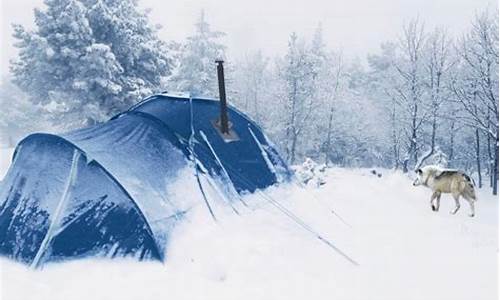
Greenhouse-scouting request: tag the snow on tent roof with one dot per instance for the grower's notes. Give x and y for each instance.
(110, 189)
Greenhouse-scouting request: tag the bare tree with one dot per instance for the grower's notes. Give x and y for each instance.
(335, 75)
(299, 80)
(409, 93)
(439, 61)
(476, 86)
(252, 81)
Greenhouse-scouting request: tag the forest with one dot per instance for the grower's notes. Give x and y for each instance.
(426, 97)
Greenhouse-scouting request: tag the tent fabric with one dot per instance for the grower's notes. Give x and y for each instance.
(111, 190)
(243, 160)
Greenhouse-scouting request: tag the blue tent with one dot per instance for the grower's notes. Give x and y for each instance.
(114, 189)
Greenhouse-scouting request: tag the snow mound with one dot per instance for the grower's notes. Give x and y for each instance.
(405, 250)
(5, 159)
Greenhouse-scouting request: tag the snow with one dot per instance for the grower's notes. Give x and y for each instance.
(5, 159)
(405, 250)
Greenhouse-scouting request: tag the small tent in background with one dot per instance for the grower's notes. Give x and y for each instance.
(113, 189)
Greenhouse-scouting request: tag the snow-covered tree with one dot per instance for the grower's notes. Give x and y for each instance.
(18, 116)
(196, 72)
(382, 86)
(476, 84)
(327, 73)
(359, 135)
(410, 90)
(254, 83)
(298, 75)
(89, 59)
(438, 64)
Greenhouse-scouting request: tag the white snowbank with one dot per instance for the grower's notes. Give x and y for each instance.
(405, 251)
(5, 159)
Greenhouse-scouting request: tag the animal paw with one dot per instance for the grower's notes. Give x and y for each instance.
(453, 211)
(471, 215)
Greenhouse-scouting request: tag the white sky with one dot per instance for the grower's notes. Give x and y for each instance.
(355, 26)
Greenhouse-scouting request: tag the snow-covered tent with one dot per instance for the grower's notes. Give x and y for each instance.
(112, 189)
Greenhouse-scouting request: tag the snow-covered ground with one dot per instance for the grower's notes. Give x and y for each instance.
(405, 250)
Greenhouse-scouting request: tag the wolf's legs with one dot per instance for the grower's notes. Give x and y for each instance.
(457, 204)
(438, 201)
(471, 204)
(435, 207)
(472, 211)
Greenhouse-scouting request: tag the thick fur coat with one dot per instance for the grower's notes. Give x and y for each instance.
(454, 182)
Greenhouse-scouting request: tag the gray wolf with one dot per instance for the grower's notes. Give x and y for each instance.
(448, 181)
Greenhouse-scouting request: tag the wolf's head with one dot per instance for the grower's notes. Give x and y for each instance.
(419, 180)
(426, 174)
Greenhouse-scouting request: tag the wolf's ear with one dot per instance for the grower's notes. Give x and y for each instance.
(419, 171)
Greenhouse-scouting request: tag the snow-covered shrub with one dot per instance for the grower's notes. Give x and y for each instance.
(310, 173)
(439, 158)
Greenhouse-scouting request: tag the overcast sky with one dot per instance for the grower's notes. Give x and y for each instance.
(355, 26)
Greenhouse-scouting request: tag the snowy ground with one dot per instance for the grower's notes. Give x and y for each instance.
(405, 251)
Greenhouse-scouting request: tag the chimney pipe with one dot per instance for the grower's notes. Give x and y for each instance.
(223, 120)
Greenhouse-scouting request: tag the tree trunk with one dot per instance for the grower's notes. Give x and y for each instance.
(433, 143)
(294, 145)
(287, 149)
(396, 155)
(291, 126)
(452, 142)
(478, 159)
(413, 142)
(329, 136)
(406, 161)
(256, 105)
(495, 170)
(412, 151)
(490, 160)
(395, 149)
(405, 165)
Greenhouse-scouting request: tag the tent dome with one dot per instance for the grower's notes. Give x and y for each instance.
(114, 189)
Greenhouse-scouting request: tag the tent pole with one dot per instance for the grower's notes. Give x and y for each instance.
(56, 218)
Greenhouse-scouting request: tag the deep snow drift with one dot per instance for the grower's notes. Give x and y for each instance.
(405, 250)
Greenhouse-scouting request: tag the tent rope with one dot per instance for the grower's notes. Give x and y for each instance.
(302, 224)
(301, 185)
(291, 215)
(195, 160)
(223, 169)
(271, 167)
